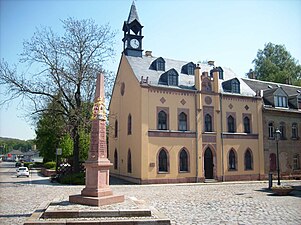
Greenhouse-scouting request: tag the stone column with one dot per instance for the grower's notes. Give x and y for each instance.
(97, 191)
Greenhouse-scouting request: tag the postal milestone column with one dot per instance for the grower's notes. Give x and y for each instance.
(97, 191)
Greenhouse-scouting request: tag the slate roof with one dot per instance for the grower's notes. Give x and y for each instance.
(141, 67)
(258, 85)
(133, 14)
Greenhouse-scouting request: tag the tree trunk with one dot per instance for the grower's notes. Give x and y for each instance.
(76, 166)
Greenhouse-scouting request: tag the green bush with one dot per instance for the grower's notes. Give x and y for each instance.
(38, 164)
(28, 164)
(75, 179)
(50, 165)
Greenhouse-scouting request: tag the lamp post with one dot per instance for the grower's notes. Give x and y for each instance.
(277, 136)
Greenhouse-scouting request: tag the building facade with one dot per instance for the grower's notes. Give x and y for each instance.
(282, 111)
(176, 121)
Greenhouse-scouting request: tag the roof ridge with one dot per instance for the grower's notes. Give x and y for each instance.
(270, 82)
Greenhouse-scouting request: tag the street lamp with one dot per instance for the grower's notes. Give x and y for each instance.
(277, 137)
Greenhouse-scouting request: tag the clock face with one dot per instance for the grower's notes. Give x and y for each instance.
(134, 43)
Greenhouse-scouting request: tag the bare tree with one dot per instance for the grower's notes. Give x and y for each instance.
(66, 66)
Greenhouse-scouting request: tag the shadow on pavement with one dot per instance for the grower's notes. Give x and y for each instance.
(295, 193)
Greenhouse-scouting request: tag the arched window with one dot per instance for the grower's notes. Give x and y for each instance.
(162, 120)
(248, 160)
(116, 128)
(273, 162)
(294, 131)
(271, 130)
(247, 127)
(231, 124)
(183, 161)
(282, 129)
(129, 161)
(232, 160)
(163, 161)
(208, 123)
(182, 121)
(115, 159)
(129, 124)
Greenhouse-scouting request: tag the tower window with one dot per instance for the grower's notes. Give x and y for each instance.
(208, 123)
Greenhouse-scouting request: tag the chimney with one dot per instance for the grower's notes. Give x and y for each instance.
(210, 63)
(148, 53)
(215, 73)
(197, 78)
(251, 74)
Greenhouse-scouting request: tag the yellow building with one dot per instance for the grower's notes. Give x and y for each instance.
(176, 121)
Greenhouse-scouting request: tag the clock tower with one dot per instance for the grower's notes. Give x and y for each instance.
(132, 28)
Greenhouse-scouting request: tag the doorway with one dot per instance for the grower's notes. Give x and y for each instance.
(208, 164)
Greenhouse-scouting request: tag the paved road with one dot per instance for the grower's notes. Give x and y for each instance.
(219, 203)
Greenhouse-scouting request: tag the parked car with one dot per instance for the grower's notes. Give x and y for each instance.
(22, 171)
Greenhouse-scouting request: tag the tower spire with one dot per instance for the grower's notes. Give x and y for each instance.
(133, 14)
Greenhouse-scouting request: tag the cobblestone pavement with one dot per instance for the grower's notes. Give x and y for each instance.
(217, 203)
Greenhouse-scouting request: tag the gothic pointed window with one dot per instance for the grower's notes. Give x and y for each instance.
(183, 161)
(115, 159)
(247, 127)
(248, 160)
(129, 163)
(182, 122)
(162, 120)
(116, 128)
(232, 160)
(129, 124)
(231, 124)
(208, 123)
(163, 161)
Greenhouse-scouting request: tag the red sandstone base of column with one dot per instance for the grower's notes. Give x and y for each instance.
(96, 201)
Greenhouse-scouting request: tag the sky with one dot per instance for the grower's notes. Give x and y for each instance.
(229, 32)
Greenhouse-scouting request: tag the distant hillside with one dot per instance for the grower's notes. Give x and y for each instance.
(8, 144)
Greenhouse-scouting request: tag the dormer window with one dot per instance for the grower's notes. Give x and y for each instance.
(280, 101)
(235, 86)
(220, 72)
(188, 68)
(232, 86)
(158, 64)
(169, 78)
